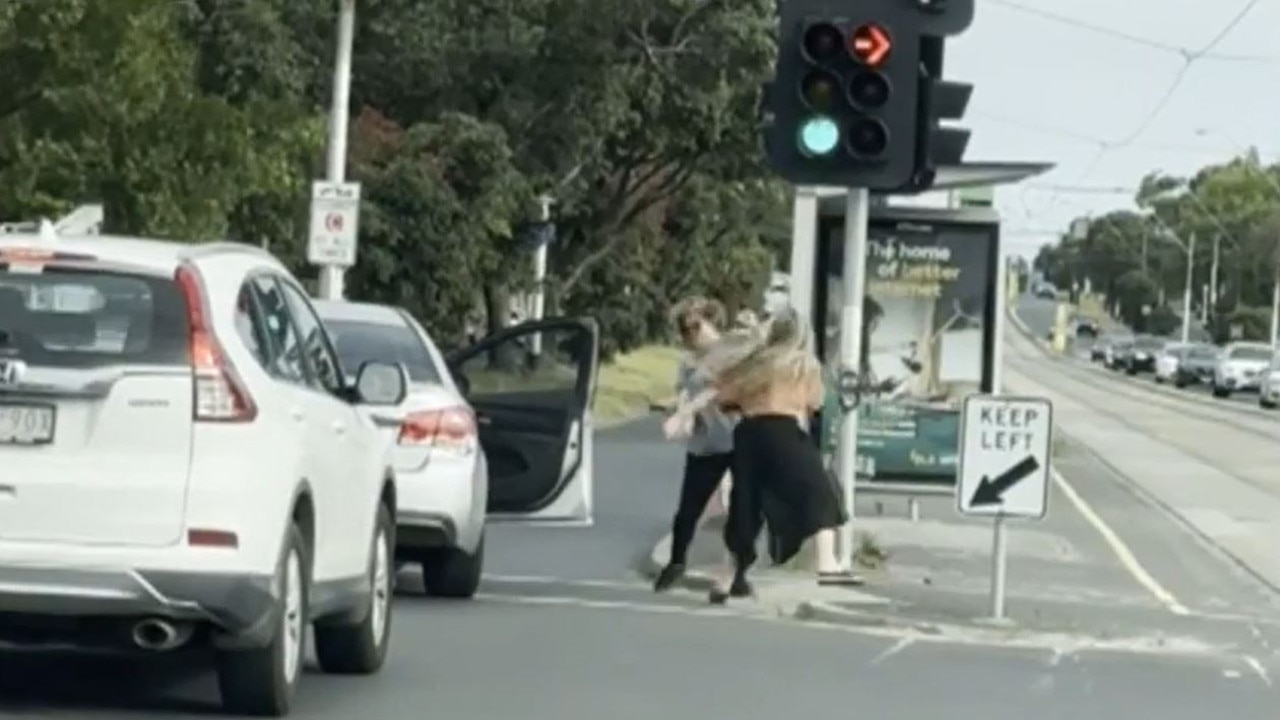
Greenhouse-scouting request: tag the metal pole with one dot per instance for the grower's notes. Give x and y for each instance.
(1186, 294)
(1213, 278)
(540, 276)
(999, 559)
(332, 276)
(999, 564)
(1275, 307)
(854, 281)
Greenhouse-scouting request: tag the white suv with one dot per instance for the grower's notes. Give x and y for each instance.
(182, 461)
(497, 431)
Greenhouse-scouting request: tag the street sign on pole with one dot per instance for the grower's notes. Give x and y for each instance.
(1004, 471)
(1005, 443)
(335, 218)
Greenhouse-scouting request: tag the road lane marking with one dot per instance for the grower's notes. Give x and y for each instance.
(572, 582)
(1121, 550)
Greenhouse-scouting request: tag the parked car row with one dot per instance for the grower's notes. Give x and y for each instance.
(1238, 367)
(194, 452)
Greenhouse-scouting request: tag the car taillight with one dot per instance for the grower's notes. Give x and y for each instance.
(220, 395)
(452, 428)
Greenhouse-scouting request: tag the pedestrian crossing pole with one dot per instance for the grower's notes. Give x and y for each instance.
(853, 285)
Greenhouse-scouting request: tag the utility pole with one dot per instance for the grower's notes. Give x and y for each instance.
(1275, 308)
(1213, 276)
(332, 277)
(1145, 240)
(1186, 294)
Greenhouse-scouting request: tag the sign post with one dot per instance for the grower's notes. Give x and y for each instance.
(335, 218)
(1005, 446)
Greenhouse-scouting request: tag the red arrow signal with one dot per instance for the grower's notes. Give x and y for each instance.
(870, 44)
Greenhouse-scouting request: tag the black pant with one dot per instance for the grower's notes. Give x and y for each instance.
(702, 475)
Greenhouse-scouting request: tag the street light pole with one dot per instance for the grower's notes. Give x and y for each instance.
(332, 278)
(1186, 293)
(1275, 307)
(1213, 277)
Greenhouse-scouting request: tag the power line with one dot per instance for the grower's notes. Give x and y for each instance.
(1130, 37)
(1189, 59)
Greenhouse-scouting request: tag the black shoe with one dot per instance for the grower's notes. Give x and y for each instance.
(739, 588)
(668, 577)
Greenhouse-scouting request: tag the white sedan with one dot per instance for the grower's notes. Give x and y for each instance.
(484, 434)
(1167, 361)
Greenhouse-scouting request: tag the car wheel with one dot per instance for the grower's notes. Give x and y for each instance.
(1159, 380)
(348, 647)
(1221, 392)
(1266, 404)
(1131, 370)
(452, 572)
(262, 681)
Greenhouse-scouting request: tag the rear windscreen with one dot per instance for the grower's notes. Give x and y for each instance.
(359, 342)
(1250, 353)
(79, 319)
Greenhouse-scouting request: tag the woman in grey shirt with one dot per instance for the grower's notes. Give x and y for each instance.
(708, 432)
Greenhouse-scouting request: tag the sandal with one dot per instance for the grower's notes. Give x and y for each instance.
(840, 578)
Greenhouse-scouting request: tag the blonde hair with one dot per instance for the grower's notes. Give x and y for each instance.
(697, 308)
(748, 362)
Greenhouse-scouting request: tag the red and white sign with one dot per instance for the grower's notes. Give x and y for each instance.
(335, 217)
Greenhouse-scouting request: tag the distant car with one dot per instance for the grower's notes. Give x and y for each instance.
(1142, 356)
(1100, 352)
(1118, 352)
(1195, 366)
(1046, 292)
(1241, 368)
(483, 433)
(1269, 393)
(1086, 328)
(1168, 360)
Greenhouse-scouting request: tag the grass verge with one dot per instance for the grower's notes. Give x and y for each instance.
(634, 382)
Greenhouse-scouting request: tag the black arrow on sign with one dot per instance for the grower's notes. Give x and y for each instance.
(991, 492)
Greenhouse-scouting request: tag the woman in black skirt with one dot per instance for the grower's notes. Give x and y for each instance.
(771, 376)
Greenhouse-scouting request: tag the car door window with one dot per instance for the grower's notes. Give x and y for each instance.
(326, 373)
(250, 326)
(527, 365)
(284, 359)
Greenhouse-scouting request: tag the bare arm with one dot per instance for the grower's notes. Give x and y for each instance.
(696, 404)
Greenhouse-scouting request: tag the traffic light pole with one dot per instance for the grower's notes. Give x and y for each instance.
(854, 282)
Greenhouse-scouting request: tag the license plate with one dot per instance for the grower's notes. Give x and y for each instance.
(27, 424)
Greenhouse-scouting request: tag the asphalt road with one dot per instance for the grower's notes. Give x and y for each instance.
(564, 629)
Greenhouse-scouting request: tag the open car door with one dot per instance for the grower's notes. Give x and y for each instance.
(531, 387)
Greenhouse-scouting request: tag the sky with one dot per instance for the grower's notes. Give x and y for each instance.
(1109, 90)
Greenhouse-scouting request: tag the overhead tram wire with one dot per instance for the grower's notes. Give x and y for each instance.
(1189, 57)
(1139, 39)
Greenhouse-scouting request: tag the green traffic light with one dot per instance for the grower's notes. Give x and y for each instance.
(819, 136)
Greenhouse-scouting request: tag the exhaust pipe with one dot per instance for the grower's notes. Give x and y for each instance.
(159, 635)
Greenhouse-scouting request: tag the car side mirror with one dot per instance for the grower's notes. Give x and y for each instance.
(379, 383)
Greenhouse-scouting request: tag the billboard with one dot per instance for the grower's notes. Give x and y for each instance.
(928, 339)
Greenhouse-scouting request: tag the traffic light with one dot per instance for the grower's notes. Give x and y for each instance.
(940, 101)
(844, 103)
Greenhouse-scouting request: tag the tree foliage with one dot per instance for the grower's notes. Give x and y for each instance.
(1140, 256)
(207, 119)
